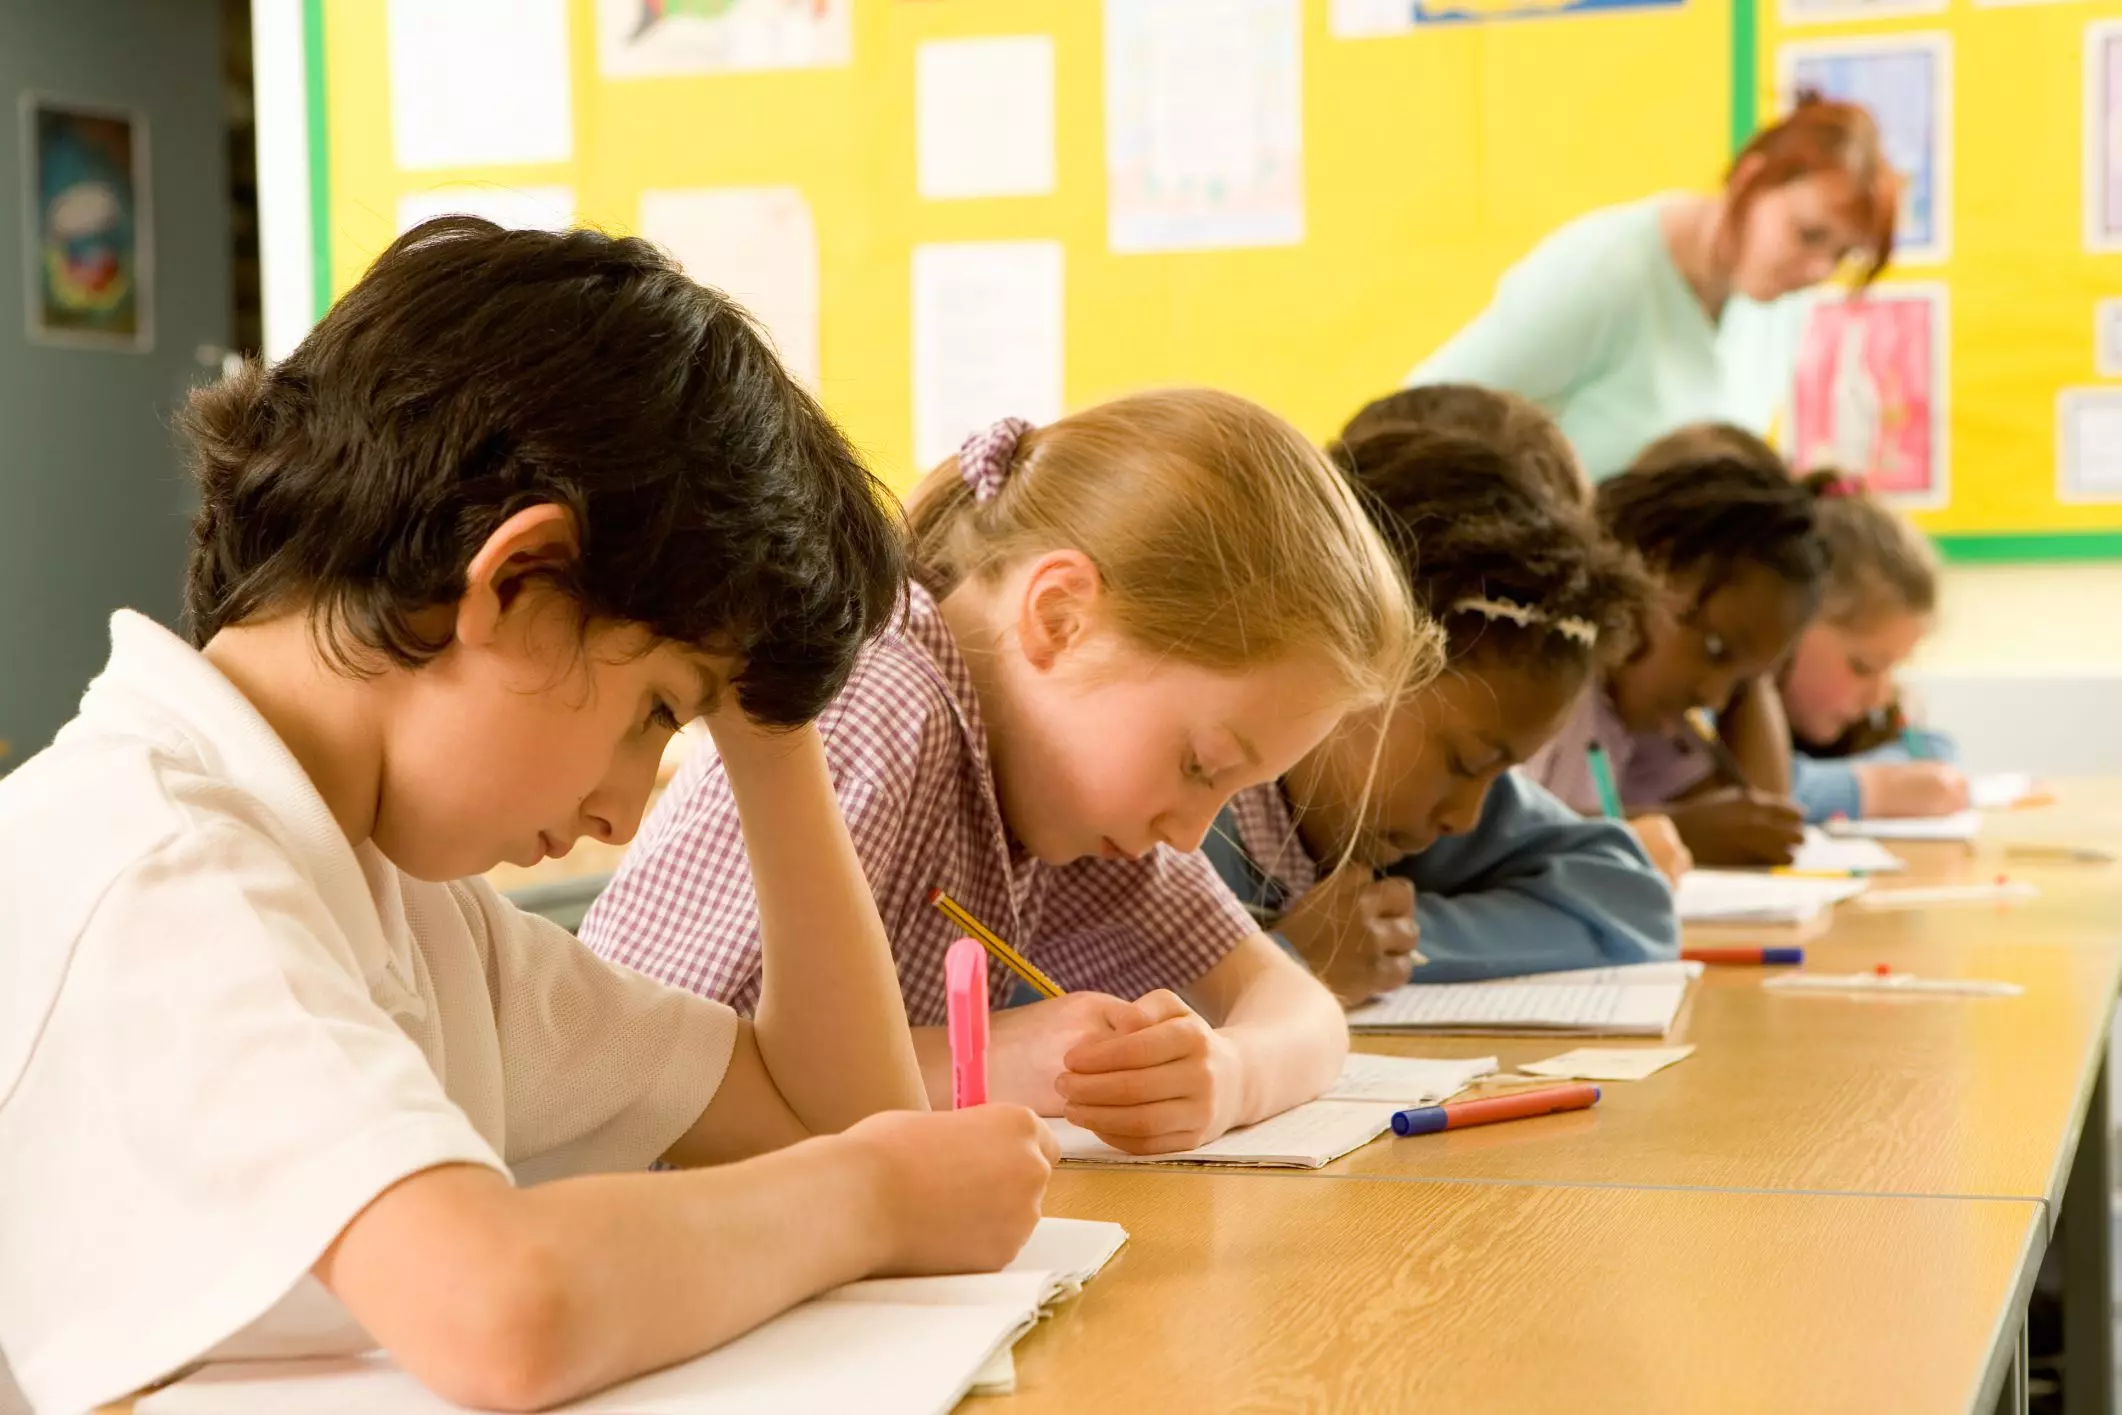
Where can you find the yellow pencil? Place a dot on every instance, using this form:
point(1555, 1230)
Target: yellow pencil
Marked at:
point(991, 941)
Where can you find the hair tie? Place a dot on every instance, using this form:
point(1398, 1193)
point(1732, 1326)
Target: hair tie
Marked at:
point(985, 457)
point(1842, 487)
point(1570, 626)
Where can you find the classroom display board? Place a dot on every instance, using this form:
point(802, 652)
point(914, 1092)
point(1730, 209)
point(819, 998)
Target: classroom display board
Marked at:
point(947, 211)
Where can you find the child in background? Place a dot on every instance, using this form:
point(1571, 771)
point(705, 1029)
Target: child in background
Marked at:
point(1852, 746)
point(1120, 621)
point(273, 1060)
point(1485, 873)
point(1735, 543)
point(1514, 426)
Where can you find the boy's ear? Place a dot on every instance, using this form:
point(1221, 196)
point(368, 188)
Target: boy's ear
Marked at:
point(1059, 606)
point(534, 540)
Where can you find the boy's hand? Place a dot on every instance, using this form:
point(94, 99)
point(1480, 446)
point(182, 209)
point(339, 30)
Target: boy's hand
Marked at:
point(1026, 1044)
point(1911, 789)
point(1356, 933)
point(957, 1191)
point(1661, 841)
point(1733, 827)
point(1165, 1081)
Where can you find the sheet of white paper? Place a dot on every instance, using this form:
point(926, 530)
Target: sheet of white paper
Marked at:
point(1999, 789)
point(1061, 1255)
point(1822, 851)
point(1636, 999)
point(987, 339)
point(1365, 19)
point(1891, 983)
point(1607, 1063)
point(984, 117)
point(1405, 1080)
point(479, 82)
point(636, 40)
point(1301, 1138)
point(757, 245)
point(1744, 897)
point(2107, 338)
point(2089, 444)
point(1204, 128)
point(883, 1357)
point(518, 208)
point(1965, 825)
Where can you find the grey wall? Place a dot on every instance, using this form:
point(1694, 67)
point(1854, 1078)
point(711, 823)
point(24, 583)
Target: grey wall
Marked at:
point(93, 502)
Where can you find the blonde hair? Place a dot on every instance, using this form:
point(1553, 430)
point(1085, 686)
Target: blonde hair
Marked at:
point(1877, 562)
point(1221, 535)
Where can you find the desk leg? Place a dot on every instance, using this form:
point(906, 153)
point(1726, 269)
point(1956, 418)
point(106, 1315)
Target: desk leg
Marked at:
point(2087, 1229)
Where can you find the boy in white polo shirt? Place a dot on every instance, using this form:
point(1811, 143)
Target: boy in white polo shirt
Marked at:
point(271, 1055)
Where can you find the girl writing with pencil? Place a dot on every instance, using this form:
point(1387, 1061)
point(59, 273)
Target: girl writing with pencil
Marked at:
point(1735, 545)
point(1118, 622)
point(1856, 755)
point(1455, 856)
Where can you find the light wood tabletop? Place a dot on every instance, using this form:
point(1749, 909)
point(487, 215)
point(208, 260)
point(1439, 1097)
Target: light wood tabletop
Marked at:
point(1267, 1293)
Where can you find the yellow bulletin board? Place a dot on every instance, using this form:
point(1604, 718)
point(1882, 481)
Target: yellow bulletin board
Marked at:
point(1432, 158)
point(2021, 271)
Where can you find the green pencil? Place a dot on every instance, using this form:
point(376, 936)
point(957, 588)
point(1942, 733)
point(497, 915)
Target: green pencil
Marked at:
point(1602, 775)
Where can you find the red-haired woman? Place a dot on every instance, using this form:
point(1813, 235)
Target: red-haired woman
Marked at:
point(1638, 319)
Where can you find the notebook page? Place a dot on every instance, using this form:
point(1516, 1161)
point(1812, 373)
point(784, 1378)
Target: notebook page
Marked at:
point(1405, 1080)
point(1965, 825)
point(1822, 851)
point(1998, 789)
point(1303, 1137)
point(1727, 896)
point(1632, 999)
point(1061, 1255)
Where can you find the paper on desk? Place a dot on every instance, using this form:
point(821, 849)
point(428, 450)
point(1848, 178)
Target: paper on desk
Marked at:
point(1962, 825)
point(1822, 851)
point(1998, 789)
point(1607, 1063)
point(1304, 1137)
point(1406, 1080)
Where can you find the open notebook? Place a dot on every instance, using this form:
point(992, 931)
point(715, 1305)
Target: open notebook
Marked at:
point(1741, 897)
point(1628, 1000)
point(895, 1346)
point(1822, 851)
point(1965, 825)
point(1356, 1110)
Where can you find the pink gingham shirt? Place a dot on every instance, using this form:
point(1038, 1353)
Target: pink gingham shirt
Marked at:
point(908, 756)
point(1649, 770)
point(1266, 830)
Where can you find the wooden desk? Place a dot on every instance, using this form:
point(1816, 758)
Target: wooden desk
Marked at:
point(1254, 1292)
point(1979, 1097)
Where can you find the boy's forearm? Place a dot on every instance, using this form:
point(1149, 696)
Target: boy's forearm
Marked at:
point(830, 1023)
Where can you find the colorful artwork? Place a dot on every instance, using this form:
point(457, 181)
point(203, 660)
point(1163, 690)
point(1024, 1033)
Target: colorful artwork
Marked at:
point(2103, 136)
point(642, 38)
point(1355, 19)
point(1906, 83)
point(1869, 397)
point(86, 231)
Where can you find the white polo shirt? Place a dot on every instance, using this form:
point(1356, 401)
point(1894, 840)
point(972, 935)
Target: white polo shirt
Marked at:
point(224, 1030)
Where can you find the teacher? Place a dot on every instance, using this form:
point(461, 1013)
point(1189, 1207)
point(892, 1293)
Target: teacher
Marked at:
point(1635, 320)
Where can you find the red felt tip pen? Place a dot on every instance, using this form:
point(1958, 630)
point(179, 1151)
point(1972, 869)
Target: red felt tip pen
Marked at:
point(1429, 1119)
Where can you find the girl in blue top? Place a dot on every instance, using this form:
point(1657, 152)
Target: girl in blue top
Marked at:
point(1677, 309)
point(1406, 825)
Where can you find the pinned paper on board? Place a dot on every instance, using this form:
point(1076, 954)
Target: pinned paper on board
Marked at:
point(479, 83)
point(2107, 338)
point(1801, 12)
point(1906, 83)
point(89, 250)
point(2103, 135)
point(518, 208)
point(984, 117)
point(1204, 129)
point(649, 38)
point(2089, 445)
point(987, 339)
point(1868, 398)
point(1362, 19)
point(759, 246)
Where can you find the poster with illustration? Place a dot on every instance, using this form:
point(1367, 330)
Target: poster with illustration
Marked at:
point(1906, 82)
point(1363, 19)
point(87, 238)
point(2103, 135)
point(1869, 397)
point(646, 38)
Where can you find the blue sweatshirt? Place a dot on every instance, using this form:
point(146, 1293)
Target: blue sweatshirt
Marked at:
point(1533, 888)
point(1826, 787)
